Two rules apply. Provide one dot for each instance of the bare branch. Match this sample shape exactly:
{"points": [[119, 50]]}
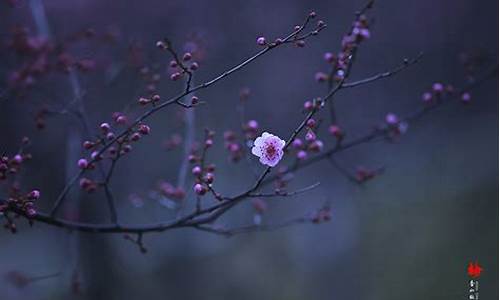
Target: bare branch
{"points": [[283, 193]]}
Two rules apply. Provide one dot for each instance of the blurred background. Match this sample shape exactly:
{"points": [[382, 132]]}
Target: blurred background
{"points": [[407, 234]]}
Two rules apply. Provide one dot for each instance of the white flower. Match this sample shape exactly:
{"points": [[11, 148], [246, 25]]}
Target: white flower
{"points": [[269, 148]]}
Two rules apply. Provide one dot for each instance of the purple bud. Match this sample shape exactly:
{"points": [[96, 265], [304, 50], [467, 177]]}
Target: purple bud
{"points": [[329, 57], [187, 56], [335, 131], [308, 105], [135, 136], [121, 119], [391, 119], [300, 43], [105, 127], [365, 33], [297, 143], [301, 155], [261, 41], [310, 136], [30, 212], [438, 87], [320, 77], [175, 76], [196, 170], [209, 143], [209, 178], [34, 195], [17, 159], [144, 129], [253, 125], [316, 146], [426, 97], [199, 189], [465, 98], [83, 163], [194, 66], [95, 155]]}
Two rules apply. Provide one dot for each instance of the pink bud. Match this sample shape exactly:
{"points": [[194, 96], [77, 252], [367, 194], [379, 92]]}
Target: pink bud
{"points": [[83, 163], [259, 205], [88, 145], [329, 57], [135, 136], [175, 76], [196, 171], [126, 148], [85, 183], [209, 178], [465, 98], [391, 119], [316, 146], [110, 136], [34, 195], [300, 43], [335, 131], [308, 105], [187, 56], [162, 45], [144, 129], [310, 136], [121, 119], [95, 155], [234, 148], [426, 97], [438, 87], [30, 212], [320, 77], [301, 155], [143, 101], [194, 66], [252, 125], [261, 41], [105, 127], [17, 159], [297, 143], [311, 123], [199, 189]]}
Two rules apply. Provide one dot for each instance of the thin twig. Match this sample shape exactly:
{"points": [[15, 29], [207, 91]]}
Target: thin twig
{"points": [[283, 193]]}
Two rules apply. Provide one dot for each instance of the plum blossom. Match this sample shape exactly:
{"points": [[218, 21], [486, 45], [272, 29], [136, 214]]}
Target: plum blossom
{"points": [[269, 148]]}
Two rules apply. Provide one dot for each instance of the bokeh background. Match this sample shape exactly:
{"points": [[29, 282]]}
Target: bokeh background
{"points": [[408, 234]]}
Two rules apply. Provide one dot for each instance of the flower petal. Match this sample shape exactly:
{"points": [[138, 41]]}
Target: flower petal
{"points": [[282, 143], [258, 142], [256, 151]]}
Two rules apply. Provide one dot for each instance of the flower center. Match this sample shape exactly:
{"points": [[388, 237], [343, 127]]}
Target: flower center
{"points": [[270, 151]]}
